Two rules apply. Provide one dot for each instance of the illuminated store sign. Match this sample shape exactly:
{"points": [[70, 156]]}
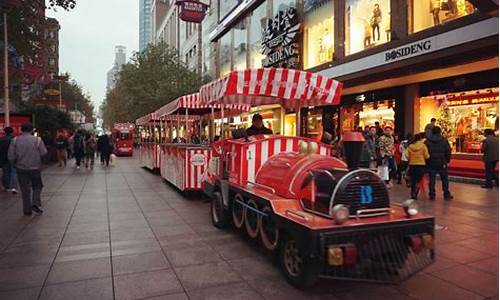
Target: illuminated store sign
{"points": [[409, 50], [192, 11], [471, 101], [279, 42]]}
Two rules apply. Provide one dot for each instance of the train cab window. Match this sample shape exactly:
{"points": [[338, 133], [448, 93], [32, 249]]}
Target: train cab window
{"points": [[316, 191], [123, 136]]}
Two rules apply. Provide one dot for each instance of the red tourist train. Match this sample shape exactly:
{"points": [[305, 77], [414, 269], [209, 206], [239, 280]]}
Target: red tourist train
{"points": [[323, 217], [123, 138]]}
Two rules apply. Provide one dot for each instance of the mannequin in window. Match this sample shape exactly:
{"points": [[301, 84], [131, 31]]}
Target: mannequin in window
{"points": [[434, 10], [368, 34], [376, 19]]}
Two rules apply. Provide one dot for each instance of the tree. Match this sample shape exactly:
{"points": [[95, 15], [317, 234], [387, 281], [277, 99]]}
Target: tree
{"points": [[444, 120], [153, 78], [73, 93], [46, 118]]}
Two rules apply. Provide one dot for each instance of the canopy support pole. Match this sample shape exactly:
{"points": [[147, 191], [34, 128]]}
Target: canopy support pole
{"points": [[187, 127], [178, 135], [298, 118], [211, 127], [222, 121]]}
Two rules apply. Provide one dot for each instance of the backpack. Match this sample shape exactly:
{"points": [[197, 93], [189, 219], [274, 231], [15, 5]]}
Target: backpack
{"points": [[78, 142], [4, 149]]}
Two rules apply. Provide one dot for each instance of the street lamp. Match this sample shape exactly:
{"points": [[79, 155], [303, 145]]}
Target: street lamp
{"points": [[60, 79], [6, 69]]}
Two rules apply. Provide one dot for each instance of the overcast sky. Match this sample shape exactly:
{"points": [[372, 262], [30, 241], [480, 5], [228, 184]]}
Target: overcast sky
{"points": [[88, 36]]}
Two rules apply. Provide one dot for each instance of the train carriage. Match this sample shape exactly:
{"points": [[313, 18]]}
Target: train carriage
{"points": [[323, 216], [149, 150]]}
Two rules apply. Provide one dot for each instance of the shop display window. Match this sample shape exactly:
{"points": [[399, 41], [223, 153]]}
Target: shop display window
{"points": [[240, 45], [318, 33], [225, 54], [462, 117], [423, 14], [257, 25], [366, 114], [367, 24]]}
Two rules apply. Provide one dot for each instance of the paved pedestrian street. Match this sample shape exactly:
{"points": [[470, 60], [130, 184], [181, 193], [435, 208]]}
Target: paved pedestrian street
{"points": [[123, 233]]}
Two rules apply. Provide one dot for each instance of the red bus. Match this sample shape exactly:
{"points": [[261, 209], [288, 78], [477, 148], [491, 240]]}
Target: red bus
{"points": [[123, 137]]}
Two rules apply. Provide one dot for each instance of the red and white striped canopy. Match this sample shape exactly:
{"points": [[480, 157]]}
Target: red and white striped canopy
{"points": [[288, 87], [192, 102], [146, 119]]}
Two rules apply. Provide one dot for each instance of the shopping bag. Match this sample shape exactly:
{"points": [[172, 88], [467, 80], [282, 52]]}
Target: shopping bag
{"points": [[112, 159], [383, 172]]}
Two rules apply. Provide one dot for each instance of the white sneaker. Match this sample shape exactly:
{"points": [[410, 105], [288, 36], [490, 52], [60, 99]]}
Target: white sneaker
{"points": [[13, 191]]}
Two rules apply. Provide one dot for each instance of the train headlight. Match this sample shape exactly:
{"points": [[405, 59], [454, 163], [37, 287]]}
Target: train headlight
{"points": [[340, 213], [410, 207]]}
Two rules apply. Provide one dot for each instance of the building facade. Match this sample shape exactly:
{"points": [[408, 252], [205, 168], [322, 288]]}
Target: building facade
{"points": [[52, 47], [145, 23], [113, 73]]}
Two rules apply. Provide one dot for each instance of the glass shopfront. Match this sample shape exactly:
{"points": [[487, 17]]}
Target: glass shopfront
{"points": [[423, 14], [318, 33], [462, 116], [225, 54], [240, 45], [367, 24], [257, 25], [366, 114], [282, 5], [226, 6]]}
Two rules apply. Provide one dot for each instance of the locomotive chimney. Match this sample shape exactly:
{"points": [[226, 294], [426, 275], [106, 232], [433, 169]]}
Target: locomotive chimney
{"points": [[352, 142]]}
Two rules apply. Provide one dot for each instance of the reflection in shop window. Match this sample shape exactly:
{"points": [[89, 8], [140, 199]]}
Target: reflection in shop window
{"points": [[282, 5], [366, 114], [240, 45], [463, 116], [318, 33], [257, 25], [225, 54], [424, 14], [368, 24]]}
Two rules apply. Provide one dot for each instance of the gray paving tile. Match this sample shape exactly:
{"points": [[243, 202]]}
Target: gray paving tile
{"points": [[82, 238], [23, 277], [240, 291], [24, 294], [79, 270], [79, 290], [203, 276], [178, 296], [147, 284], [252, 268], [142, 262]]}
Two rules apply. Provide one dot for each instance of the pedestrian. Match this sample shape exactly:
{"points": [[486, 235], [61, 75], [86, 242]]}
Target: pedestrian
{"points": [[490, 158], [380, 131], [99, 147], [8, 168], [439, 158], [403, 148], [105, 149], [368, 155], [417, 155], [78, 148], [70, 145], [397, 159], [61, 147], [26, 152], [386, 153], [428, 128], [90, 148]]}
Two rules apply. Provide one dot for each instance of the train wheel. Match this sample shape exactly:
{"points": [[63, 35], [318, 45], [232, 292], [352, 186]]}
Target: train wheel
{"points": [[252, 219], [299, 271], [238, 211], [219, 214], [269, 232]]}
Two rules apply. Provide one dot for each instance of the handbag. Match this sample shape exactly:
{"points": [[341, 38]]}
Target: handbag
{"points": [[383, 172]]}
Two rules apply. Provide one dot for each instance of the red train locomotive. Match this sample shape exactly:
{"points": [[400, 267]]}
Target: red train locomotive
{"points": [[324, 218]]}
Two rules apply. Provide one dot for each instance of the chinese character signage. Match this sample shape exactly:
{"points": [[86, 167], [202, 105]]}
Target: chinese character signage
{"points": [[473, 100], [192, 11], [280, 40]]}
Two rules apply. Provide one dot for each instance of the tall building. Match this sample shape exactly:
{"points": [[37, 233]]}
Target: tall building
{"points": [[51, 66], [145, 25], [120, 59]]}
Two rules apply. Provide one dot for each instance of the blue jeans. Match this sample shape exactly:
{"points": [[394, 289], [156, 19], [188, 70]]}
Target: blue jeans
{"points": [[443, 174], [9, 177]]}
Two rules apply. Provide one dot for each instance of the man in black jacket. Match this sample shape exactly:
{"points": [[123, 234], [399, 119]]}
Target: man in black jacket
{"points": [[490, 158], [258, 126], [440, 156]]}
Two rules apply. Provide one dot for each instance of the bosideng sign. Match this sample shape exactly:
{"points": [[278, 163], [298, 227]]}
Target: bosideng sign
{"points": [[408, 50], [279, 41], [192, 11]]}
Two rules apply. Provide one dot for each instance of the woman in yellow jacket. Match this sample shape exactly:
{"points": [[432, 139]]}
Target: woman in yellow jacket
{"points": [[417, 155]]}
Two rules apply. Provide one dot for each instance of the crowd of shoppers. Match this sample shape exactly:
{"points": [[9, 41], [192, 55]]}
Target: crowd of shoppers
{"points": [[21, 159]]}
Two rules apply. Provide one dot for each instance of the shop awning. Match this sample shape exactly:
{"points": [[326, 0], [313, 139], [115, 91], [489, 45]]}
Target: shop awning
{"points": [[288, 87], [146, 119], [193, 104]]}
